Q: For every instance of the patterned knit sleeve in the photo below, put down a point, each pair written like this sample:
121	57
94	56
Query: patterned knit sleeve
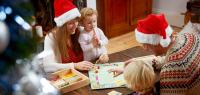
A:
158	62
180	73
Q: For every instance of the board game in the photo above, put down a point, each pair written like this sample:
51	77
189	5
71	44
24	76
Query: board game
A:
101	78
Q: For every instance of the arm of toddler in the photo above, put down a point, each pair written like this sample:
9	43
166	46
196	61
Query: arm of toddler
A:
86	46
103	39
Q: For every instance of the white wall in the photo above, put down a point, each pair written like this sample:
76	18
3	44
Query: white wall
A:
91	4
172	10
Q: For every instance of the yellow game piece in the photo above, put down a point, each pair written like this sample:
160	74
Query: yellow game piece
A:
68	75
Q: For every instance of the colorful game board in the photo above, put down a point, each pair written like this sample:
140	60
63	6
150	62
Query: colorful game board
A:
100	78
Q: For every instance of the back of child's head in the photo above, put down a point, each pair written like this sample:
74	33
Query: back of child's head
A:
139	76
87	12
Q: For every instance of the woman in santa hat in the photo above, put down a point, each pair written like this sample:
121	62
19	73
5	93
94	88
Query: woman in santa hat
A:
61	46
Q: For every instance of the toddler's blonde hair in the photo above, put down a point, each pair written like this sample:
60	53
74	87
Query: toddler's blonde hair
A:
139	76
87	12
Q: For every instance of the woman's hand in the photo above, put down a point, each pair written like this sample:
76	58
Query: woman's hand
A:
84	65
103	58
116	71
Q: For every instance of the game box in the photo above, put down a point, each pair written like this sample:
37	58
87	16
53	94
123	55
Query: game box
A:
68	80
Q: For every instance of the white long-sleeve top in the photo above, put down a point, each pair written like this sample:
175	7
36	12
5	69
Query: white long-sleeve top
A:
52	61
85	40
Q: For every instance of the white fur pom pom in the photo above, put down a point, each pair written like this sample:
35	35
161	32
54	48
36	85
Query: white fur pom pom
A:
165	42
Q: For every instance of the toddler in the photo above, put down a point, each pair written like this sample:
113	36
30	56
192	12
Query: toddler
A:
140	77
92	39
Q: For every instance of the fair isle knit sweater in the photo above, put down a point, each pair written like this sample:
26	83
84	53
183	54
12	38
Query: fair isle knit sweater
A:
180	74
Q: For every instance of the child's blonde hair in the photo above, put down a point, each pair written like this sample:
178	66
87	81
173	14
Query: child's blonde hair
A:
87	12
139	76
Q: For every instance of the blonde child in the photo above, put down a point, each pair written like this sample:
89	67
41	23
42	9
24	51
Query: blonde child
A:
92	39
140	77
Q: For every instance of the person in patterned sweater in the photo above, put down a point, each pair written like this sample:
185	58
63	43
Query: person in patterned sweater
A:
177	56
180	69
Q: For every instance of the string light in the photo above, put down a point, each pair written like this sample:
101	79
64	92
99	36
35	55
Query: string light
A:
8	10
23	23
2	15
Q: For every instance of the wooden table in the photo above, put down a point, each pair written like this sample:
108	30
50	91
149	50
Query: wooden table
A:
115	57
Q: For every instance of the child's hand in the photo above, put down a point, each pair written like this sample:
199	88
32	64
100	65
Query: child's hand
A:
103	58
95	41
116	71
129	61
96	38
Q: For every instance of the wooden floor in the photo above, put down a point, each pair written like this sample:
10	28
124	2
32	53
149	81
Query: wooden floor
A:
125	41
122	42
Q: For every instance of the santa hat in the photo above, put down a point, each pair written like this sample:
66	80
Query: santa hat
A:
154	30
64	11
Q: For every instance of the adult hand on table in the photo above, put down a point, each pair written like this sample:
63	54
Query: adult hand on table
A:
83	65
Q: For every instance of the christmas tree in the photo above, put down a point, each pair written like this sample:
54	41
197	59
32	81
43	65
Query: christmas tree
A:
16	16
16	39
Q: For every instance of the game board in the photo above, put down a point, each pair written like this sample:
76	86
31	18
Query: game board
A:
100	78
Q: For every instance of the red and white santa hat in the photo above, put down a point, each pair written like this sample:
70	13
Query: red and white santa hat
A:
154	29
64	11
